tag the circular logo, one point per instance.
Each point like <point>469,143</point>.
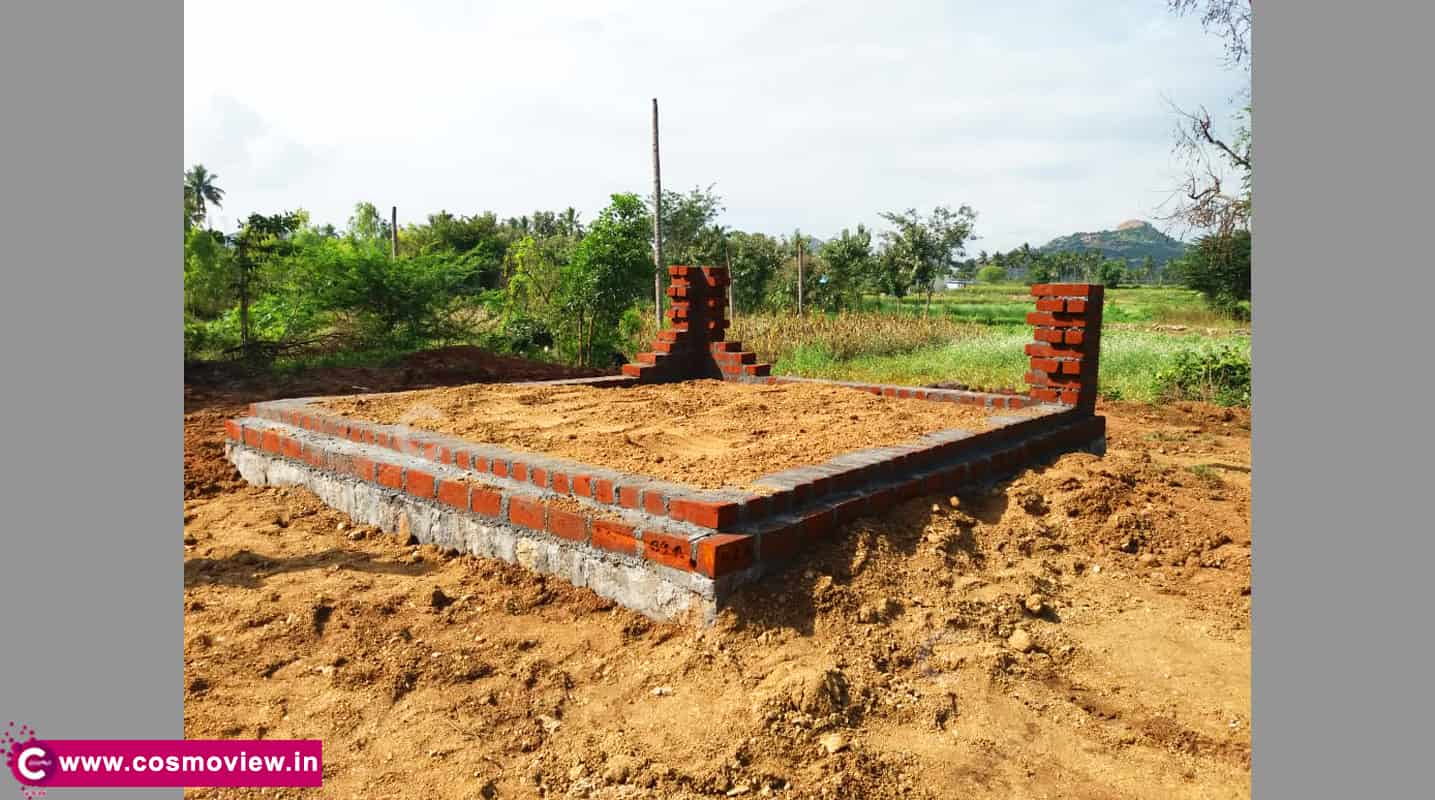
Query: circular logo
<point>34,763</point>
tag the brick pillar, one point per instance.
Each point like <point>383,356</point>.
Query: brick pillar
<point>693,345</point>
<point>1065,355</point>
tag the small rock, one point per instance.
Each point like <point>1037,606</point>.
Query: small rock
<point>489,790</point>
<point>341,527</point>
<point>954,501</point>
<point>1020,641</point>
<point>662,691</point>
<point>833,743</point>
<point>739,789</point>
<point>550,724</point>
<point>356,535</point>
<point>1035,604</point>
<point>190,540</point>
<point>1147,559</point>
<point>576,772</point>
<point>439,599</point>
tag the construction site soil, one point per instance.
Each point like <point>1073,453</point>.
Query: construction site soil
<point>704,433</point>
<point>1079,631</point>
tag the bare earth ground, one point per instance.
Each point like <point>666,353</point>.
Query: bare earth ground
<point>1081,632</point>
<point>705,433</point>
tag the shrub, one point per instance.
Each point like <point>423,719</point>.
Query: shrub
<point>991,274</point>
<point>1219,267</point>
<point>1216,375</point>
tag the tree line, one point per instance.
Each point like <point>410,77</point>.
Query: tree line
<point>546,282</point>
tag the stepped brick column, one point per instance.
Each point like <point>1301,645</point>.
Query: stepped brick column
<point>1065,355</point>
<point>693,346</point>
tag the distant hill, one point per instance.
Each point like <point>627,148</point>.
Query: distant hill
<point>1132,240</point>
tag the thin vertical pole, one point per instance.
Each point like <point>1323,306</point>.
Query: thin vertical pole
<point>394,233</point>
<point>657,225</point>
<point>799,275</point>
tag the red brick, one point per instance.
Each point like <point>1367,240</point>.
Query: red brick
<point>1045,395</point>
<point>615,536</point>
<point>289,446</point>
<point>453,493</point>
<point>538,476</point>
<point>382,439</point>
<point>603,490</point>
<point>362,468</point>
<point>724,553</point>
<point>1071,367</point>
<point>391,475</point>
<point>1054,320</point>
<point>271,441</point>
<point>1076,306</point>
<point>848,510</point>
<point>817,525</point>
<point>485,501</point>
<point>560,482</point>
<point>653,502</point>
<point>480,463</point>
<point>233,431</point>
<point>461,458</point>
<point>419,483</point>
<point>500,468</point>
<point>445,455</point>
<point>528,513</point>
<point>1061,290</point>
<point>1048,304</point>
<point>757,370</point>
<point>583,485</point>
<point>355,433</point>
<point>1049,335</point>
<point>1073,337</point>
<point>672,551</point>
<point>628,496</point>
<point>567,524</point>
<point>1046,364</point>
<point>781,544</point>
<point>1070,396</point>
<point>705,513</point>
<point>315,456</point>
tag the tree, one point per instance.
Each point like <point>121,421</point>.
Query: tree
<point>920,251</point>
<point>1203,201</point>
<point>684,218</point>
<point>1219,267</point>
<point>755,259</point>
<point>991,274</point>
<point>1111,272</point>
<point>849,262</point>
<point>607,274</point>
<point>367,226</point>
<point>1148,269</point>
<point>259,241</point>
<point>200,189</point>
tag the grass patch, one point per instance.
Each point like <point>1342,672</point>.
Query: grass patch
<point>993,358</point>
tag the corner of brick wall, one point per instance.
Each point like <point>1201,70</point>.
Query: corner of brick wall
<point>1067,329</point>
<point>694,346</point>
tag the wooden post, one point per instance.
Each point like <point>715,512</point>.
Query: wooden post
<point>799,274</point>
<point>727,261</point>
<point>658,265</point>
<point>393,233</point>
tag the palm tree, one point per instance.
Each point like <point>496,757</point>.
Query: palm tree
<point>200,189</point>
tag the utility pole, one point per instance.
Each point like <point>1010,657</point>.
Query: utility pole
<point>394,233</point>
<point>799,273</point>
<point>657,225</point>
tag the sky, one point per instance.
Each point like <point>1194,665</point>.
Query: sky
<point>1046,118</point>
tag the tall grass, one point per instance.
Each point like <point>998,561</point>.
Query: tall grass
<point>994,358</point>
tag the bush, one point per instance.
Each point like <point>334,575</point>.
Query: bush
<point>1219,267</point>
<point>991,274</point>
<point>1216,375</point>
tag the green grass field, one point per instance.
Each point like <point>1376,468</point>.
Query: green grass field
<point>976,336</point>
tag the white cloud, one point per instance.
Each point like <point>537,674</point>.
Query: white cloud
<point>1047,117</point>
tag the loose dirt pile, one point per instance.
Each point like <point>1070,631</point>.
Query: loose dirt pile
<point>703,433</point>
<point>1081,631</point>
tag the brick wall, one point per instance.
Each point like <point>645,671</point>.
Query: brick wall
<point>693,346</point>
<point>1064,357</point>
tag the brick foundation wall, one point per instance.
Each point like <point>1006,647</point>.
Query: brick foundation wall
<point>693,345</point>
<point>1065,355</point>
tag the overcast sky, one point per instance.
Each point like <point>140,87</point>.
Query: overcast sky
<point>1046,117</point>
